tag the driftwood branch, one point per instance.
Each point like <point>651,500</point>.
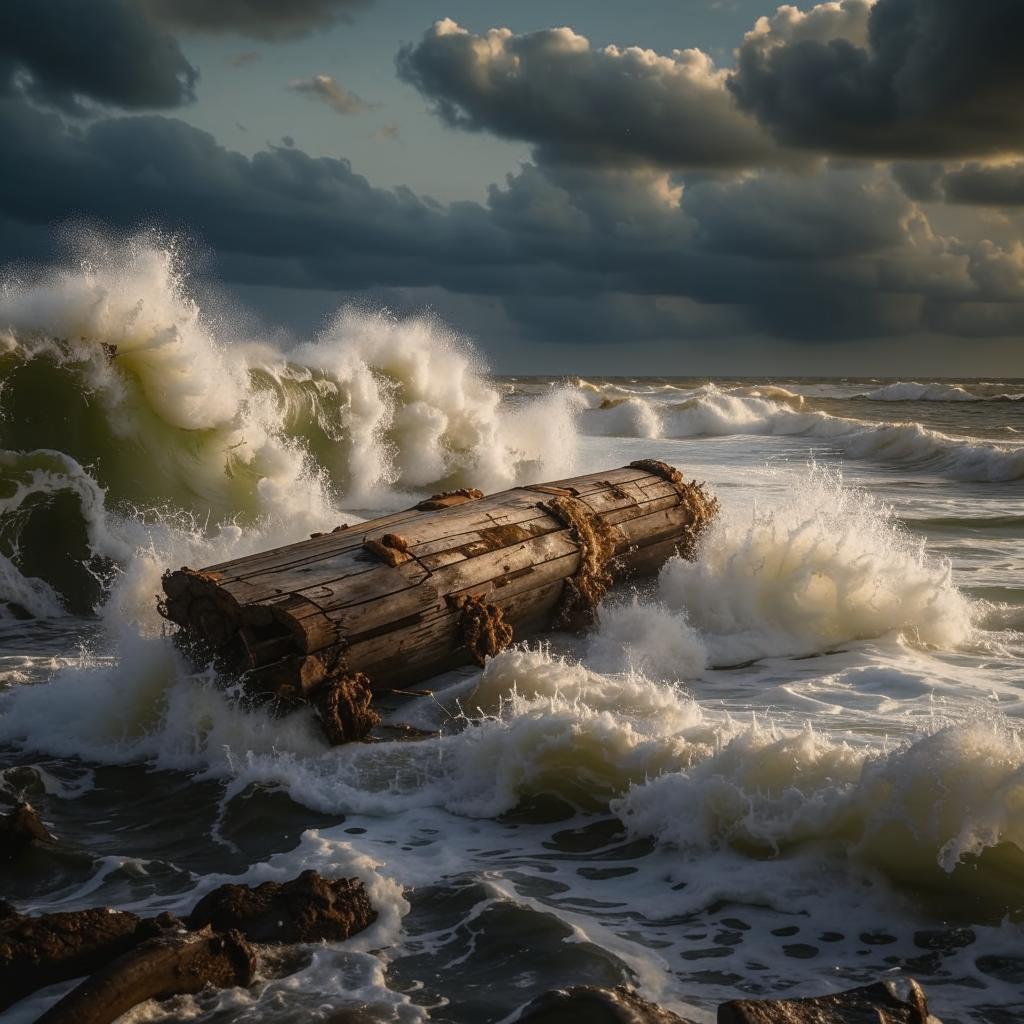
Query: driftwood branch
<point>157,969</point>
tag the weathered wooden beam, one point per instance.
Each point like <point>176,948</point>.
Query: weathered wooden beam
<point>453,580</point>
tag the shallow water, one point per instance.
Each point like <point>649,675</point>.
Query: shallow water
<point>793,766</point>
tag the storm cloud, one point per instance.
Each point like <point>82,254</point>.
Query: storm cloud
<point>981,185</point>
<point>258,19</point>
<point>897,78</point>
<point>579,104</point>
<point>105,50</point>
<point>837,254</point>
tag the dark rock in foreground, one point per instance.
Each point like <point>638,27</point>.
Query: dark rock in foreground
<point>307,909</point>
<point>585,1004</point>
<point>132,959</point>
<point>40,951</point>
<point>871,1004</point>
<point>20,828</point>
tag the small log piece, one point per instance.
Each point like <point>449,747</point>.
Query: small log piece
<point>307,909</point>
<point>39,951</point>
<point>157,969</point>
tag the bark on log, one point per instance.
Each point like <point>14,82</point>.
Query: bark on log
<point>157,969</point>
<point>450,581</point>
<point>39,951</point>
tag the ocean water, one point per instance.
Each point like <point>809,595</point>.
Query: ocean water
<point>792,766</point>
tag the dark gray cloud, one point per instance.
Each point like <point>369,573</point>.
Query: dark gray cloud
<point>104,50</point>
<point>579,104</point>
<point>899,78</point>
<point>918,79</point>
<point>258,19</point>
<point>573,253</point>
<point>981,185</point>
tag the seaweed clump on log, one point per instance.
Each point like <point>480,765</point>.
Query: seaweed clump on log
<point>585,590</point>
<point>345,708</point>
<point>484,630</point>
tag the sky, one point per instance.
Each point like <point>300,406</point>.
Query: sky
<point>655,187</point>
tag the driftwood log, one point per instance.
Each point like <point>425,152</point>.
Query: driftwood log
<point>168,966</point>
<point>455,579</point>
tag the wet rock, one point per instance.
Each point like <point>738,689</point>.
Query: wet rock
<point>19,828</point>
<point>870,1004</point>
<point>308,909</point>
<point>585,1004</point>
<point>40,951</point>
<point>157,969</point>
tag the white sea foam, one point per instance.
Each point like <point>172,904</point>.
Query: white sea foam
<point>826,566</point>
<point>921,811</point>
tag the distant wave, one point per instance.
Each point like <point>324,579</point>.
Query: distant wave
<point>937,391</point>
<point>710,411</point>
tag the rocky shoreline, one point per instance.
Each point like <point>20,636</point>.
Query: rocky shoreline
<point>126,960</point>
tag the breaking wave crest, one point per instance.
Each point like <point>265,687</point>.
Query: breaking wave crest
<point>827,566</point>
<point>124,402</point>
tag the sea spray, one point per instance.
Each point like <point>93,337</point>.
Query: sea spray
<point>173,431</point>
<point>824,567</point>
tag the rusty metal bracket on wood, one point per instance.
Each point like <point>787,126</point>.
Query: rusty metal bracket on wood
<point>446,499</point>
